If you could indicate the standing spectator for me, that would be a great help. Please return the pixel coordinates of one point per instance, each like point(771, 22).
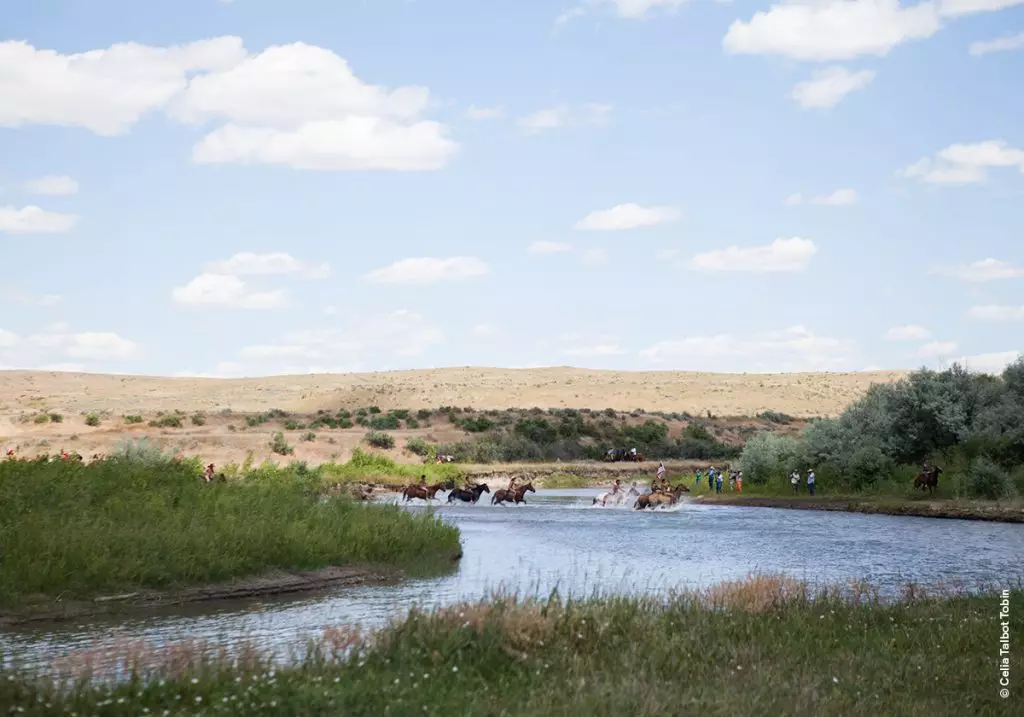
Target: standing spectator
point(718, 483)
point(739, 482)
point(795, 480)
point(810, 482)
point(700, 473)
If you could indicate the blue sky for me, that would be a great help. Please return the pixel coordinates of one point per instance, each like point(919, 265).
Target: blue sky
point(252, 187)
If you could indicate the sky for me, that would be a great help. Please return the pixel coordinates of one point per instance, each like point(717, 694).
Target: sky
point(245, 188)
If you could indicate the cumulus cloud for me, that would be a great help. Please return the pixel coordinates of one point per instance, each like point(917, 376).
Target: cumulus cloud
point(51, 347)
point(429, 270)
point(829, 86)
point(907, 332)
point(295, 105)
point(998, 44)
point(627, 216)
point(227, 291)
point(548, 247)
point(52, 186)
point(796, 348)
point(377, 339)
point(996, 313)
point(272, 263)
point(563, 116)
point(782, 255)
point(484, 113)
point(935, 349)
point(821, 30)
point(979, 271)
point(838, 198)
point(993, 363)
point(966, 163)
point(33, 220)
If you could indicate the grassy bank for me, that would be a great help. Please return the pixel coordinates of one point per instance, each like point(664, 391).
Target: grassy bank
point(73, 531)
point(756, 647)
point(998, 511)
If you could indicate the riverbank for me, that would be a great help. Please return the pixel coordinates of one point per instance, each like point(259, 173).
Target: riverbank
point(75, 532)
point(762, 646)
point(1003, 512)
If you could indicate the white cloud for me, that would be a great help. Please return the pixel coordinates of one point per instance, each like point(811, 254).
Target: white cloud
point(965, 163)
point(820, 30)
point(956, 8)
point(792, 349)
point(627, 216)
point(978, 271)
point(838, 198)
point(626, 9)
point(105, 91)
point(829, 86)
point(351, 144)
point(251, 264)
point(595, 256)
point(996, 313)
point(226, 290)
point(12, 294)
point(485, 113)
point(48, 348)
point(548, 247)
point(33, 220)
point(398, 334)
point(562, 116)
point(429, 270)
point(52, 185)
point(934, 349)
point(485, 331)
point(295, 105)
point(779, 256)
point(907, 332)
point(987, 363)
point(998, 44)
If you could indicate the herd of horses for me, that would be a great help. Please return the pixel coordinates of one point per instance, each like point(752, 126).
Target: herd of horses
point(469, 494)
point(662, 497)
point(617, 455)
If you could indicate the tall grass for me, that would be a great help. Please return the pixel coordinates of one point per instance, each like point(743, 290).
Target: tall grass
point(127, 523)
point(763, 648)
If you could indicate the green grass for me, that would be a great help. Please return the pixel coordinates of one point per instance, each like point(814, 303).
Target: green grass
point(117, 525)
point(568, 480)
point(750, 648)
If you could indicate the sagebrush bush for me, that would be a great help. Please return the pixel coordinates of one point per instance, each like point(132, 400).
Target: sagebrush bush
point(132, 419)
point(279, 445)
point(986, 479)
point(92, 420)
point(166, 421)
point(378, 439)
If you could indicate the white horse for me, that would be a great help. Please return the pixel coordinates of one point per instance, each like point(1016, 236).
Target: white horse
point(616, 499)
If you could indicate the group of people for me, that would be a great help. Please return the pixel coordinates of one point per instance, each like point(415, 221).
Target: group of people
point(794, 480)
point(716, 479)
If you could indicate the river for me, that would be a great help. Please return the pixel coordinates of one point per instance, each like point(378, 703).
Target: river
point(559, 540)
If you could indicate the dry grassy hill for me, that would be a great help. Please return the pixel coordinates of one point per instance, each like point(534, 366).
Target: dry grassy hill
point(226, 437)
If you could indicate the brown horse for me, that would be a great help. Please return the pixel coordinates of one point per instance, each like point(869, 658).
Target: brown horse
point(929, 480)
point(653, 500)
point(469, 495)
point(506, 496)
point(423, 492)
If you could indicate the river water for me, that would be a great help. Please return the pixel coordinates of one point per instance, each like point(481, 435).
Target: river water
point(559, 540)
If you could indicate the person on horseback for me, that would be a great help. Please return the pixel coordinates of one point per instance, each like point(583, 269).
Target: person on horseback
point(423, 481)
point(616, 486)
point(512, 485)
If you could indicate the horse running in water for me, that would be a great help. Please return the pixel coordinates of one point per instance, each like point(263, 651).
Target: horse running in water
point(928, 480)
point(468, 495)
point(423, 492)
point(506, 496)
point(653, 500)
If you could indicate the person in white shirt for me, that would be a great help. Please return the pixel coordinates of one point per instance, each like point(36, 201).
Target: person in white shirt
point(810, 482)
point(795, 480)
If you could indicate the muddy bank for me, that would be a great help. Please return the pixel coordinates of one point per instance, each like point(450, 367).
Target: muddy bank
point(278, 582)
point(1002, 513)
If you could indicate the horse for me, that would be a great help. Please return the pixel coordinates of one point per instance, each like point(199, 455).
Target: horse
point(928, 480)
point(653, 500)
point(423, 492)
point(506, 496)
point(468, 495)
point(636, 457)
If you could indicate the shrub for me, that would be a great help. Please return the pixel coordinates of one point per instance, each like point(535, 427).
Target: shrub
point(767, 455)
point(345, 423)
point(309, 437)
point(476, 424)
point(132, 419)
point(374, 409)
point(985, 479)
point(423, 414)
point(412, 423)
point(56, 418)
point(168, 421)
point(198, 419)
point(378, 439)
point(139, 450)
point(291, 425)
point(42, 418)
point(419, 447)
point(387, 422)
point(280, 446)
point(775, 417)
point(92, 420)
point(867, 466)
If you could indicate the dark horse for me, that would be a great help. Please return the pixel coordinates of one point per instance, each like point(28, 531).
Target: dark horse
point(423, 492)
point(621, 454)
point(928, 480)
point(507, 496)
point(660, 497)
point(468, 495)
